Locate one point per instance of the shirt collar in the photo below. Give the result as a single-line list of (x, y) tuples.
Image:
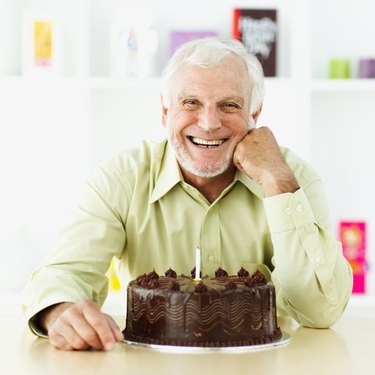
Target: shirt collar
[(169, 174), (250, 184)]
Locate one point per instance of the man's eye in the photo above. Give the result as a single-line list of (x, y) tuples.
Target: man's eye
[(230, 106), (190, 103)]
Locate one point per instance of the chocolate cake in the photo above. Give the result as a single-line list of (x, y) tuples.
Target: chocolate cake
[(213, 312)]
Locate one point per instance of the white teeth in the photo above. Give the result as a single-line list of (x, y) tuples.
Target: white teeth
[(199, 141)]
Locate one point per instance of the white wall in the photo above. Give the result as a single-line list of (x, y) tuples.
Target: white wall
[(43, 148), (343, 120), (343, 152)]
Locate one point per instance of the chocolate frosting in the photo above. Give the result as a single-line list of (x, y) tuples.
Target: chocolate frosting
[(180, 311), (256, 279), (220, 273), (142, 280), (192, 272), (200, 287), (230, 285), (243, 273), (171, 273), (153, 275), (153, 283), (174, 285)]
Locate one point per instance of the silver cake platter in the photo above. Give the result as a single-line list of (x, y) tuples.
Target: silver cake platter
[(284, 340)]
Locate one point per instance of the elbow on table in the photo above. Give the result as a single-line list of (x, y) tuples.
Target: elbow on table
[(318, 323), (317, 313), (324, 317)]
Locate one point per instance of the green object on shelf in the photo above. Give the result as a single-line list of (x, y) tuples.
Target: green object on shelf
[(339, 68)]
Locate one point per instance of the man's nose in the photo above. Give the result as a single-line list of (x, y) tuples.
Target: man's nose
[(209, 119)]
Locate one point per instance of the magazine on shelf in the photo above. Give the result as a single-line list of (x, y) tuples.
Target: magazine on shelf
[(257, 29)]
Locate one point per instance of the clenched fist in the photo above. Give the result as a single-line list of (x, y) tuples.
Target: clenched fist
[(258, 155)]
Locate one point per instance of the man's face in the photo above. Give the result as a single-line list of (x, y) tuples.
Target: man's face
[(208, 114)]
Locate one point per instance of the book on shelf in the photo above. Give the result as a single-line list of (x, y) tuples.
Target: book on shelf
[(352, 235), (41, 42), (180, 37), (257, 29)]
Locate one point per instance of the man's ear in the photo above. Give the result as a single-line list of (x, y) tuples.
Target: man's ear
[(164, 111), (257, 113)]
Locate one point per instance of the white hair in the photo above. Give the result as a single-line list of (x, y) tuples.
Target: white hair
[(210, 52)]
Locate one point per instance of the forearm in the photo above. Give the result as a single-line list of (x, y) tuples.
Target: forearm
[(312, 278), (279, 182), (76, 270), (312, 286), (51, 285)]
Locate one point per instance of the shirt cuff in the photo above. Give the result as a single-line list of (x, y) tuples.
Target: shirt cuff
[(35, 327), (288, 211)]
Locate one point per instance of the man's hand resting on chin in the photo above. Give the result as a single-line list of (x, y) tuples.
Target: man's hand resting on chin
[(258, 156)]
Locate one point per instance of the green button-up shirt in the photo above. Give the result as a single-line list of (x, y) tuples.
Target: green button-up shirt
[(138, 209)]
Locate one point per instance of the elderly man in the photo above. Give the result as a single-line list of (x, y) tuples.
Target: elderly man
[(218, 182)]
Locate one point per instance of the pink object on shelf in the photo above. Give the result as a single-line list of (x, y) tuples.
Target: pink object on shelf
[(367, 68), (352, 235), (180, 37)]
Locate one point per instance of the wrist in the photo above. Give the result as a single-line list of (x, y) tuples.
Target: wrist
[(280, 184), (45, 318)]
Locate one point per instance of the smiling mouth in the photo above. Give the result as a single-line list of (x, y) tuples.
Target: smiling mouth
[(208, 144)]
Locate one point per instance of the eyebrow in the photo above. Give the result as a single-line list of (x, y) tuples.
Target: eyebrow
[(186, 96)]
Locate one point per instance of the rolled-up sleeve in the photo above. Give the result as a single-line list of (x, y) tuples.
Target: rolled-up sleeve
[(76, 270), (312, 278)]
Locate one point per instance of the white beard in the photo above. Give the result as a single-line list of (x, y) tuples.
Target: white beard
[(206, 171)]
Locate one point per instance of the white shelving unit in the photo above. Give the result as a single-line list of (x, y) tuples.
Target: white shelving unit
[(343, 85), (343, 114), (55, 130)]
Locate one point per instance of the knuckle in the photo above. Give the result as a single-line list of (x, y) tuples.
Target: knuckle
[(54, 341), (96, 320), (53, 330), (77, 343), (91, 336), (59, 343)]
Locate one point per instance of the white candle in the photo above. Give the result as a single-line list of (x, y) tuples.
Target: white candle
[(197, 263)]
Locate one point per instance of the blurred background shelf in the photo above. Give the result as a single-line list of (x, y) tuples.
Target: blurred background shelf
[(343, 85)]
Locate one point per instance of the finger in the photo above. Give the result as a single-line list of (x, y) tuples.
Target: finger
[(87, 333), (115, 329), (67, 325), (59, 342), (236, 161), (238, 165), (71, 337), (100, 324), (75, 340)]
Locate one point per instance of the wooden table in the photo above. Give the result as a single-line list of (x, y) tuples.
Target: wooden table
[(347, 348)]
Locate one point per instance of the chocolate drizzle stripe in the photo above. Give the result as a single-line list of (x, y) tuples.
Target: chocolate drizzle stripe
[(208, 316)]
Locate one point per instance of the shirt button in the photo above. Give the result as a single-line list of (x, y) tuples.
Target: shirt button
[(299, 208), (317, 260), (211, 258), (288, 211)]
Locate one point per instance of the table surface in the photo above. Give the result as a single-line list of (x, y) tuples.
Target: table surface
[(346, 348)]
